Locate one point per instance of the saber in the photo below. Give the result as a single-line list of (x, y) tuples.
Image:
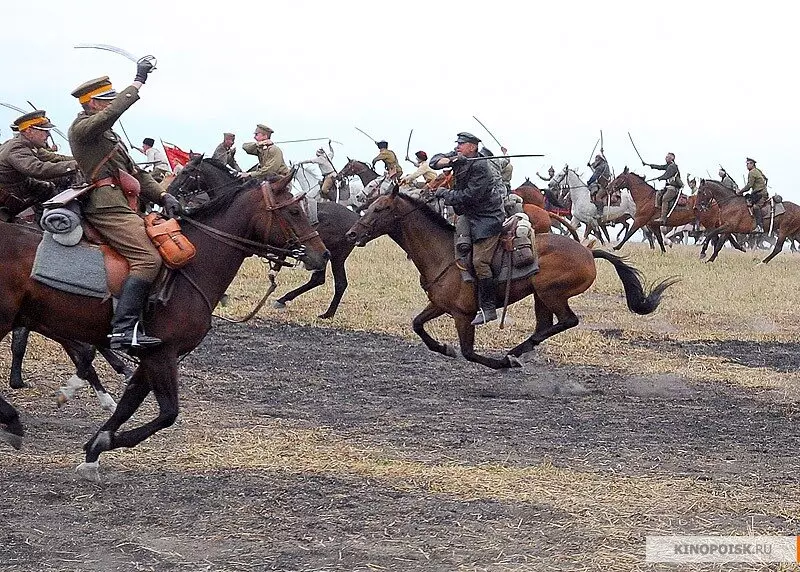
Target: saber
[(482, 158), (367, 134), (304, 140), (489, 132), (601, 145), (56, 129), (591, 155), (120, 51), (635, 149), (408, 145), (121, 126)]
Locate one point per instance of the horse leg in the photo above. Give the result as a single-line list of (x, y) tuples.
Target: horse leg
[(778, 246), (466, 339), (722, 237), (118, 364), (19, 342), (429, 313), (317, 279), (657, 232), (631, 231), (547, 304), (339, 283), (82, 355), (13, 432), (735, 243)]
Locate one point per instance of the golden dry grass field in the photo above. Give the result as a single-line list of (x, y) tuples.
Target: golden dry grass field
[(343, 444)]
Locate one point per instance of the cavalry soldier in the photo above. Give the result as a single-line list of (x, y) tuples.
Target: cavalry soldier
[(27, 166), (672, 185), (480, 208), (325, 163), (225, 151), (388, 157), (423, 170), (551, 172), (496, 167), (159, 166), (757, 185), (727, 181), (270, 156), (598, 182), (110, 206)]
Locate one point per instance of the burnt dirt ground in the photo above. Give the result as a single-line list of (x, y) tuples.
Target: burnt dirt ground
[(302, 448)]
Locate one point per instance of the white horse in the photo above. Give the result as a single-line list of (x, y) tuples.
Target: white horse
[(584, 210), (311, 183)]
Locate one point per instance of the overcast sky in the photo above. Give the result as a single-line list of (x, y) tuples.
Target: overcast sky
[(712, 82)]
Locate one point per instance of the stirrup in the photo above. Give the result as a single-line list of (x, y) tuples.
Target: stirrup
[(483, 317), (131, 340)]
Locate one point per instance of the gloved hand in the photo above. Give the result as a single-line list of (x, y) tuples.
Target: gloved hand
[(143, 68), (457, 159), (172, 208)]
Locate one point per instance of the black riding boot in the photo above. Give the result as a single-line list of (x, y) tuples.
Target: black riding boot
[(488, 304), (759, 219), (125, 328)]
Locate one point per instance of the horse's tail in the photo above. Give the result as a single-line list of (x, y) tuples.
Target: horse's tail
[(566, 224), (639, 301)]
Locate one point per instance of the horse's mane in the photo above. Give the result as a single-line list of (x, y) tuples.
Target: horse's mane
[(222, 201), (429, 213), (216, 163)]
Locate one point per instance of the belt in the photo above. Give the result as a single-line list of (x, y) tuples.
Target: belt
[(105, 182)]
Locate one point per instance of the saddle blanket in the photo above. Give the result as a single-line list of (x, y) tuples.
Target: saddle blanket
[(75, 269)]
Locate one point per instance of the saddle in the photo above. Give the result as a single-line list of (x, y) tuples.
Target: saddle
[(515, 256), (773, 207)]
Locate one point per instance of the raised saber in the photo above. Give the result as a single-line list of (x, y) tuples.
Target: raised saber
[(125, 133), (367, 134), (635, 149), (591, 155), (408, 145), (305, 140), (120, 51), (482, 158), (490, 133)]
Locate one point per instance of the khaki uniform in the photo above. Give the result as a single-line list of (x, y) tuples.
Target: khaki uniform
[(270, 159), (756, 181), (226, 156), (389, 160), (106, 207), (506, 173), (23, 169)]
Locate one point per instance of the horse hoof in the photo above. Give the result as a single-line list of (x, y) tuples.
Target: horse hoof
[(17, 384), (61, 398), (278, 305), (107, 402), (89, 471), (513, 361), (12, 439)]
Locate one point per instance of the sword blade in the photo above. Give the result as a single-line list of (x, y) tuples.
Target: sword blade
[(109, 48), (635, 149), (14, 107), (408, 145), (367, 134), (591, 155), (487, 131), (482, 158), (304, 140)]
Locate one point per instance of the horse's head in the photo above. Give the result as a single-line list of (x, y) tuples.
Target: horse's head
[(622, 181), (353, 168), (203, 175), (381, 218), (283, 223), (705, 194)]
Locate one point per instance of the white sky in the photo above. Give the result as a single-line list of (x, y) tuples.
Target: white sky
[(711, 81)]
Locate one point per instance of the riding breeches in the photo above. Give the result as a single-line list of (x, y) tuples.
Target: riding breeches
[(756, 198), (482, 254), (123, 229), (668, 194)]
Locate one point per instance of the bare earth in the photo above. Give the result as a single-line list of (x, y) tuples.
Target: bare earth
[(303, 448)]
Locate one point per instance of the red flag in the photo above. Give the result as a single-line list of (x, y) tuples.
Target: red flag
[(175, 155)]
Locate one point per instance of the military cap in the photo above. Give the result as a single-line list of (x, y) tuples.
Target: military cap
[(465, 137), (749, 160), (421, 155), (149, 141), (261, 128), (228, 135), (36, 119), (382, 144), (98, 88)]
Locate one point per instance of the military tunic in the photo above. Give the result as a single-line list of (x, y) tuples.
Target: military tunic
[(225, 155), (389, 160), (756, 181), (106, 208), (23, 170), (270, 159)]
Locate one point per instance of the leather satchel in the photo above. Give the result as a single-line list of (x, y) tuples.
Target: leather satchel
[(175, 249)]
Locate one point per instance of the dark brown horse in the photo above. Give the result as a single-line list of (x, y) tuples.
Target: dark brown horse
[(253, 219), (735, 217), (209, 176), (567, 269), (643, 195)]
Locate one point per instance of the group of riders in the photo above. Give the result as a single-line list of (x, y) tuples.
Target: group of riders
[(116, 188)]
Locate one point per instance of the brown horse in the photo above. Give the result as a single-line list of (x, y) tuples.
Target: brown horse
[(567, 269), (735, 217), (643, 195), (252, 219)]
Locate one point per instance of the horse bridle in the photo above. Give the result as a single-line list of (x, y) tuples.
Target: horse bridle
[(395, 217)]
